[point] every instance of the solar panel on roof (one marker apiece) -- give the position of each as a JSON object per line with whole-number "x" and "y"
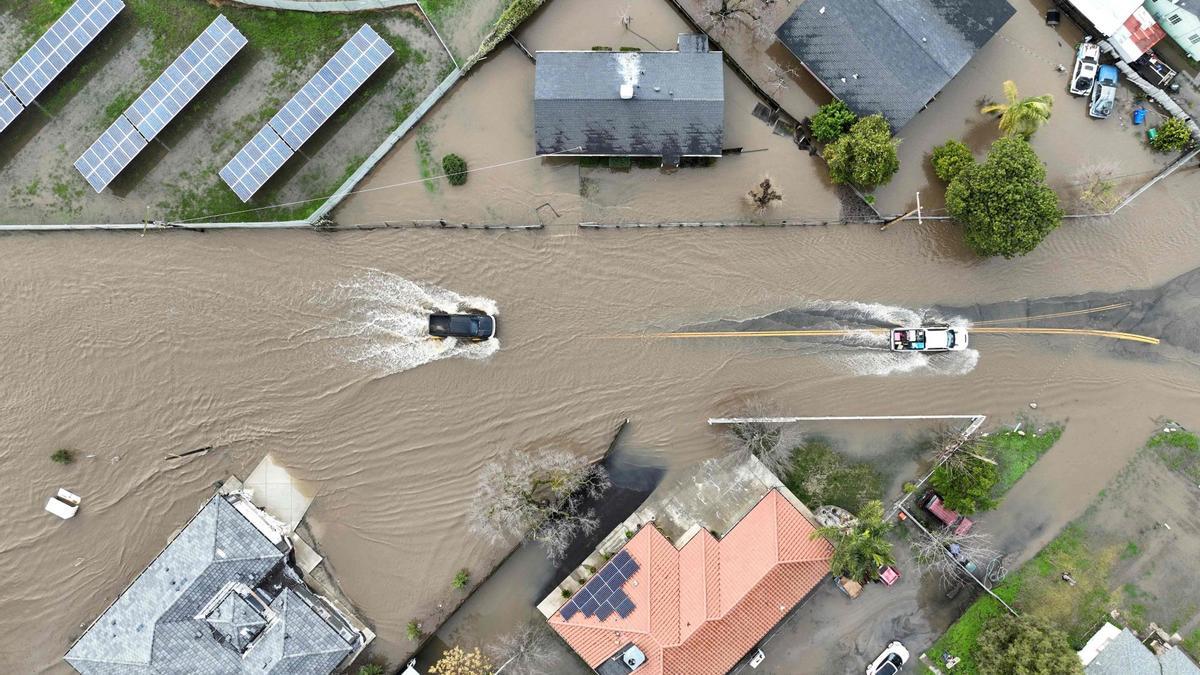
{"x": 73, "y": 31}
{"x": 625, "y": 608}
{"x": 589, "y": 608}
{"x": 307, "y": 110}
{"x": 254, "y": 164}
{"x": 10, "y": 107}
{"x": 331, "y": 87}
{"x": 161, "y": 102}
{"x": 569, "y": 610}
{"x": 115, "y": 148}
{"x": 185, "y": 77}
{"x": 604, "y": 611}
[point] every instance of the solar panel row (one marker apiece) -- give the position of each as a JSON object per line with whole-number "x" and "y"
{"x": 10, "y": 107}
{"x": 307, "y": 110}
{"x": 115, "y": 148}
{"x": 49, "y": 56}
{"x": 183, "y": 79}
{"x": 160, "y": 103}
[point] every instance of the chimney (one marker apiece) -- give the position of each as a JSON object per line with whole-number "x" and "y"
{"x": 626, "y": 91}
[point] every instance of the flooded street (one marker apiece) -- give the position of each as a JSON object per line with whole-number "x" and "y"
{"x": 129, "y": 348}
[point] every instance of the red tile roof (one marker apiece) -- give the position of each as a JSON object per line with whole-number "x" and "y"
{"x": 703, "y": 607}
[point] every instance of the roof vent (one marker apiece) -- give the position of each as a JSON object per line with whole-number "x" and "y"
{"x": 626, "y": 91}
{"x": 633, "y": 658}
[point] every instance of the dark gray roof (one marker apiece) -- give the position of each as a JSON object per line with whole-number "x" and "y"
{"x": 1126, "y": 655}
{"x": 220, "y": 599}
{"x": 677, "y": 109}
{"x": 903, "y": 52}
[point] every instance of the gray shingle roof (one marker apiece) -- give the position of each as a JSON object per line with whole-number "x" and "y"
{"x": 220, "y": 599}
{"x": 1126, "y": 655}
{"x": 903, "y": 53}
{"x": 677, "y": 109}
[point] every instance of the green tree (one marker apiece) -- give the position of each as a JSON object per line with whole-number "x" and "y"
{"x": 1021, "y": 116}
{"x": 966, "y": 486}
{"x": 831, "y": 121}
{"x": 461, "y": 579}
{"x": 1026, "y": 646}
{"x": 950, "y": 158}
{"x": 861, "y": 549}
{"x": 1173, "y": 135}
{"x": 413, "y": 630}
{"x": 865, "y": 156}
{"x": 1004, "y": 202}
{"x": 63, "y": 456}
{"x": 455, "y": 168}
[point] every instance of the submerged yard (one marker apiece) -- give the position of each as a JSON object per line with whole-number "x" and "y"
{"x": 1127, "y": 555}
{"x": 176, "y": 177}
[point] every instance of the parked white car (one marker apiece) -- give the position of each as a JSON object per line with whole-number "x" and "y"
{"x": 891, "y": 661}
{"x": 1087, "y": 63}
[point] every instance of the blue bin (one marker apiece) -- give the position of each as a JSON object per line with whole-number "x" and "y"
{"x": 1139, "y": 116}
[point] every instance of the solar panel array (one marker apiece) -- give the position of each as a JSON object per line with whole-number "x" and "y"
{"x": 604, "y": 594}
{"x": 160, "y": 103}
{"x": 311, "y": 107}
{"x": 49, "y": 56}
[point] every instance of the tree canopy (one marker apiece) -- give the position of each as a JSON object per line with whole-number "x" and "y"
{"x": 1173, "y": 135}
{"x": 1021, "y": 116}
{"x": 457, "y": 661}
{"x": 860, "y": 550}
{"x": 831, "y": 121}
{"x": 1004, "y": 202}
{"x": 1028, "y": 645}
{"x": 865, "y": 156}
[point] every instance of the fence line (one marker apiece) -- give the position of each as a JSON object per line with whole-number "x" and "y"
{"x": 329, "y": 6}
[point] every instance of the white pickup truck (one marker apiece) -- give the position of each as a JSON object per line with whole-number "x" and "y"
{"x": 929, "y": 339}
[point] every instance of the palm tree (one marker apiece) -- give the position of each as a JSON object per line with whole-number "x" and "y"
{"x": 1020, "y": 116}
{"x": 861, "y": 549}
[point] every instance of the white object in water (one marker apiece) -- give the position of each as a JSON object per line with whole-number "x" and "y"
{"x": 758, "y": 658}
{"x": 64, "y": 504}
{"x": 626, "y": 91}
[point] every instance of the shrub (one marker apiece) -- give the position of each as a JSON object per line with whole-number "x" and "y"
{"x": 455, "y": 168}
{"x": 950, "y": 158}
{"x": 831, "y": 121}
{"x": 371, "y": 669}
{"x": 620, "y": 163}
{"x": 1173, "y": 135}
{"x": 866, "y": 156}
{"x": 819, "y": 475}
{"x": 1029, "y": 645}
{"x": 461, "y": 579}
{"x": 565, "y": 593}
{"x": 967, "y": 486}
{"x": 63, "y": 456}
{"x": 413, "y": 630}
{"x": 1004, "y": 203}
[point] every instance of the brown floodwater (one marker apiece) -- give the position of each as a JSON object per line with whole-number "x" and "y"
{"x": 301, "y": 343}
{"x": 307, "y": 345}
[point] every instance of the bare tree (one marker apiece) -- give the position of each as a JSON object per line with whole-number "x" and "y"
{"x": 541, "y": 496}
{"x": 531, "y": 649}
{"x": 778, "y": 77}
{"x": 762, "y": 196}
{"x": 725, "y": 16}
{"x": 943, "y": 553}
{"x": 771, "y": 443}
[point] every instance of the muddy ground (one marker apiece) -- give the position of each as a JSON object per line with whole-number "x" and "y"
{"x": 176, "y": 177}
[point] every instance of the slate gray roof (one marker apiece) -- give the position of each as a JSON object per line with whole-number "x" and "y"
{"x": 903, "y": 52}
{"x": 220, "y": 599}
{"x": 1126, "y": 655}
{"x": 677, "y": 109}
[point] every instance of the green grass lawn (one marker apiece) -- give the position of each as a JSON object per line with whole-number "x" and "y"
{"x": 1017, "y": 453}
{"x": 1179, "y": 449}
